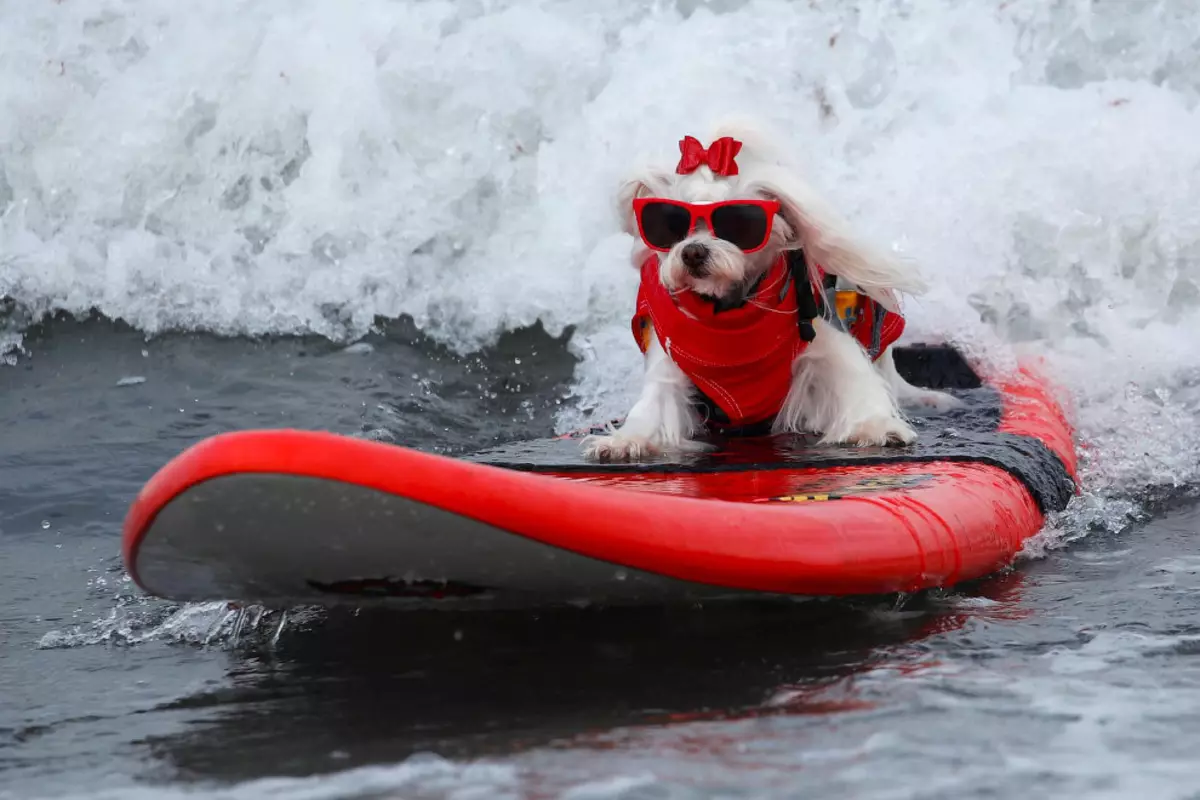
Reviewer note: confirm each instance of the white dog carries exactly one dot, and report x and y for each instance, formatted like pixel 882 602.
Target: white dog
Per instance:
pixel 718 308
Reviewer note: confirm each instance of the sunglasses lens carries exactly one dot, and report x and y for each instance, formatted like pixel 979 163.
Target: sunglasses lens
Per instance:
pixel 665 225
pixel 742 225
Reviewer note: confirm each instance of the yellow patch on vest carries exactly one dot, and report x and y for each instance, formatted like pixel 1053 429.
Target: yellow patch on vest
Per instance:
pixel 846 303
pixel 647 331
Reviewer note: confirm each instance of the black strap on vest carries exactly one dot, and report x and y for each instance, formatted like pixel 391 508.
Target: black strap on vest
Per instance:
pixel 877 331
pixel 806 303
pixel 812 304
pixel 809 304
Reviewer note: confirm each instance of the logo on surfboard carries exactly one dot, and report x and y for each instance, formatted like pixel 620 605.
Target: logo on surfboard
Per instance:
pixel 834 488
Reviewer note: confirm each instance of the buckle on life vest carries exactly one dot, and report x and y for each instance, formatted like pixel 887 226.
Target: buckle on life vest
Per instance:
pixel 846 306
pixel 849 305
pixel 848 309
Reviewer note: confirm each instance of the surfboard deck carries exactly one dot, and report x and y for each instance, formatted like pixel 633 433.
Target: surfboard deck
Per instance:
pixel 287 517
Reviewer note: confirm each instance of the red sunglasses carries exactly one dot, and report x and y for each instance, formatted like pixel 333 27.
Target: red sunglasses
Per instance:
pixel 744 223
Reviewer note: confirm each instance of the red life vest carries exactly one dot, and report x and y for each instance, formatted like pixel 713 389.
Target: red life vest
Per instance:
pixel 741 358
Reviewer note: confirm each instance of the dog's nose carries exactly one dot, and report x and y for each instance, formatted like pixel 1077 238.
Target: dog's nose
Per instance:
pixel 694 255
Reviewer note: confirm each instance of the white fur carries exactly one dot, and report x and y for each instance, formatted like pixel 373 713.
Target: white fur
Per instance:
pixel 661 420
pixel 836 389
pixel 907 394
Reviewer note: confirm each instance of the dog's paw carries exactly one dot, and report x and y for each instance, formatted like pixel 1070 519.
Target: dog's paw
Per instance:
pixel 883 431
pixel 939 402
pixel 690 446
pixel 878 432
pixel 617 447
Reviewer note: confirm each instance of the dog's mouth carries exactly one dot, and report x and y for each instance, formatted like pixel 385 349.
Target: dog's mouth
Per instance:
pixel 733 296
pixel 714 271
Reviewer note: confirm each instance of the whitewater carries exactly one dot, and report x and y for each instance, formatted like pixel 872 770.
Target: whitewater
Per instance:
pixel 272 172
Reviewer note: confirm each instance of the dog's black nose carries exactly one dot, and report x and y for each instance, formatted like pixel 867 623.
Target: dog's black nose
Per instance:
pixel 694 255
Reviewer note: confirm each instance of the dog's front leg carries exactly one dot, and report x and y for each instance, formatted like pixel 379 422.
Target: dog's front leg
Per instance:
pixel 661 420
pixel 836 391
pixel 907 394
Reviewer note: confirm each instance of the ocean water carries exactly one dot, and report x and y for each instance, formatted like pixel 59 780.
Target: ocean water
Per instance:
pixel 394 219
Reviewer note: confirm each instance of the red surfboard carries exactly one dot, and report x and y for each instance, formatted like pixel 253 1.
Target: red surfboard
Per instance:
pixel 285 517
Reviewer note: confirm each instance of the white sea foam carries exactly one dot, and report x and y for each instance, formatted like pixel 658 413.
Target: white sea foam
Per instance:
pixel 277 167
pixel 423 775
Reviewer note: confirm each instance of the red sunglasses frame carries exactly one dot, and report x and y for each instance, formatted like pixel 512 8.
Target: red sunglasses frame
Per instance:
pixel 703 211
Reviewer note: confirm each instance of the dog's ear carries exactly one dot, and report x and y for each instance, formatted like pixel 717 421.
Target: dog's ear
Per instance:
pixel 828 242
pixel 647 183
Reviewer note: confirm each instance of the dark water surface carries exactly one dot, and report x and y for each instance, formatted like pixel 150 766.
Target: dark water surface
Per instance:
pixel 1074 675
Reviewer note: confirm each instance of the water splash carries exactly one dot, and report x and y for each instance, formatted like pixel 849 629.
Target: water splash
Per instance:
pixel 422 775
pixel 136 621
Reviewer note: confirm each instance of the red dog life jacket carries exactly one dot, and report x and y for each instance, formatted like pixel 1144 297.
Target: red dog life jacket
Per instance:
pixel 741 358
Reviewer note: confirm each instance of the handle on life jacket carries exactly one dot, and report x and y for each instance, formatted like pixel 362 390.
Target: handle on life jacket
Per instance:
pixel 806 304
pixel 843 304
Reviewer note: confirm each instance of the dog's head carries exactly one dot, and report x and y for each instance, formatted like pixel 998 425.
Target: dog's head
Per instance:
pixel 704 255
pixel 743 164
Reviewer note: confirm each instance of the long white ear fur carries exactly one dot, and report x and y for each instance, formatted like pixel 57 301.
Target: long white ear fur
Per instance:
pixel 828 242
pixel 644 183
pixel 826 237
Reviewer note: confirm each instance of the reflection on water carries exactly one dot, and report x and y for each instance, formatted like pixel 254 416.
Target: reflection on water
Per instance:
pixel 378 686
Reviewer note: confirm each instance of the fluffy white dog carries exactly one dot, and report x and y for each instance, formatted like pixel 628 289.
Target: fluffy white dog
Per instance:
pixel 720 311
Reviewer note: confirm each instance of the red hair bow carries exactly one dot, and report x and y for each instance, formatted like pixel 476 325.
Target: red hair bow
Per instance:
pixel 718 157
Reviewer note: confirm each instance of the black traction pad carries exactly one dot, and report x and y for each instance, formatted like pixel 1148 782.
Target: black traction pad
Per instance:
pixel 964 434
